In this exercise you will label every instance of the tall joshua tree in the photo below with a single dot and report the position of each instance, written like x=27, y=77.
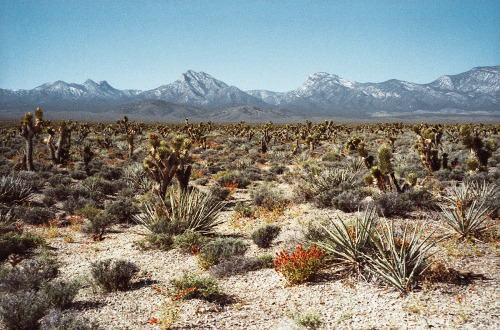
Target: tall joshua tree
x=59, y=153
x=28, y=130
x=479, y=150
x=166, y=160
x=128, y=128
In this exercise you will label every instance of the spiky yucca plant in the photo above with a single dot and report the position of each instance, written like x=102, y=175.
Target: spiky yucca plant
x=350, y=243
x=14, y=189
x=468, y=212
x=330, y=179
x=399, y=260
x=193, y=210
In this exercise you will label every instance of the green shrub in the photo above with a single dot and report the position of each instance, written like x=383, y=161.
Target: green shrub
x=78, y=175
x=235, y=265
x=278, y=169
x=188, y=240
x=326, y=186
x=111, y=173
x=57, y=320
x=308, y=319
x=244, y=210
x=71, y=204
x=192, y=286
x=33, y=215
x=220, y=193
x=59, y=179
x=250, y=173
x=160, y=241
x=232, y=177
x=31, y=274
x=121, y=210
x=49, y=201
x=113, y=275
x=59, y=192
x=267, y=196
x=22, y=310
x=201, y=181
x=265, y=235
x=222, y=248
x=97, y=224
x=393, y=204
x=98, y=187
x=16, y=242
x=420, y=198
x=349, y=201
x=266, y=260
x=331, y=157
x=60, y=294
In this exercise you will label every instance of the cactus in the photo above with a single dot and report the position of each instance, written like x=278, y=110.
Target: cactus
x=164, y=161
x=59, y=153
x=130, y=130
x=411, y=179
x=28, y=130
x=427, y=144
x=479, y=151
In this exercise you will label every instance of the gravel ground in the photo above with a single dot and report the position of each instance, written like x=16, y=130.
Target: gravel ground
x=260, y=300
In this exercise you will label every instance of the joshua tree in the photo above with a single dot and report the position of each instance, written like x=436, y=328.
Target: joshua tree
x=28, y=131
x=380, y=174
x=164, y=161
x=87, y=155
x=59, y=153
x=129, y=130
x=427, y=144
x=479, y=151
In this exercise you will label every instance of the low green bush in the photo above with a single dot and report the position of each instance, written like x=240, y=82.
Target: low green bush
x=59, y=293
x=57, y=320
x=232, y=177
x=22, y=310
x=244, y=210
x=122, y=210
x=112, y=275
x=266, y=260
x=189, y=240
x=393, y=204
x=31, y=274
x=222, y=248
x=191, y=286
x=17, y=242
x=269, y=197
x=59, y=179
x=308, y=319
x=265, y=235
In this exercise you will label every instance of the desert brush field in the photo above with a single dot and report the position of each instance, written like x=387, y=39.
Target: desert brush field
x=203, y=225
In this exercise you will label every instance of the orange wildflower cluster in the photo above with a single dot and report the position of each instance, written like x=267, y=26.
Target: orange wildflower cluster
x=300, y=266
x=197, y=174
x=76, y=220
x=175, y=297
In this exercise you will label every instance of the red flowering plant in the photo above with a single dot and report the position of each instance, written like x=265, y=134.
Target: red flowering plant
x=300, y=266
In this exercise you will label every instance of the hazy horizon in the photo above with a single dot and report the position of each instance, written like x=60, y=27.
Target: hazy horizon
x=270, y=45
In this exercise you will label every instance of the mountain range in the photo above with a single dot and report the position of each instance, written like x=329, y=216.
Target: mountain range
x=199, y=96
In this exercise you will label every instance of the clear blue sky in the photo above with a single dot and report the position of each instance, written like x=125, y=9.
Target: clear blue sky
x=270, y=45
